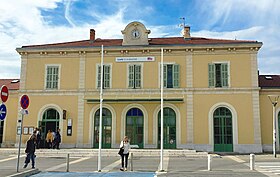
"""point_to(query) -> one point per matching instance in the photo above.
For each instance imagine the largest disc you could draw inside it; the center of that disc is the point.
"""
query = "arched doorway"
(169, 128)
(106, 130)
(135, 126)
(223, 136)
(50, 121)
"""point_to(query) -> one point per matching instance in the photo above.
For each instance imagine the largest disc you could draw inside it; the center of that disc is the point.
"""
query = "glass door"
(135, 126)
(106, 128)
(223, 130)
(169, 128)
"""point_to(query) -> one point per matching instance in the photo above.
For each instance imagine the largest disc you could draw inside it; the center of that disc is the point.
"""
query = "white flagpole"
(100, 113)
(161, 113)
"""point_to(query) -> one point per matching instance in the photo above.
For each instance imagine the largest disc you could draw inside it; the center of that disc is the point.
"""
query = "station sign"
(135, 59)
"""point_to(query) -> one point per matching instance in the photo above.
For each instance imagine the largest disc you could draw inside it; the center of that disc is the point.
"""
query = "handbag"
(121, 151)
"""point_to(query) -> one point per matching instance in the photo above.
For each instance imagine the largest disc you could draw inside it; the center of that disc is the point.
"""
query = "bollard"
(209, 162)
(252, 161)
(131, 162)
(67, 163)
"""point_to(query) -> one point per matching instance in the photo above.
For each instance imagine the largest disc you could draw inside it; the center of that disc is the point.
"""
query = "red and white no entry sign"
(24, 101)
(4, 93)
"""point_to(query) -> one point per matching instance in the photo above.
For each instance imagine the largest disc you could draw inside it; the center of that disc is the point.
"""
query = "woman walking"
(126, 148)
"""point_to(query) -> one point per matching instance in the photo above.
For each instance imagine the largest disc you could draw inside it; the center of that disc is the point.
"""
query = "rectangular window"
(134, 76)
(171, 75)
(52, 74)
(106, 76)
(218, 75)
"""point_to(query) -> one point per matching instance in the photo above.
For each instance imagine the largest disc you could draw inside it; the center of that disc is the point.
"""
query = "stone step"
(105, 152)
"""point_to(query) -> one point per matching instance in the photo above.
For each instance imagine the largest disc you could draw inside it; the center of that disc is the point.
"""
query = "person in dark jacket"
(30, 151)
(57, 139)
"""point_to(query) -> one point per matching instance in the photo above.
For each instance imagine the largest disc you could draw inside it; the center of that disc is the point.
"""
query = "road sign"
(4, 93)
(24, 101)
(3, 111)
(24, 111)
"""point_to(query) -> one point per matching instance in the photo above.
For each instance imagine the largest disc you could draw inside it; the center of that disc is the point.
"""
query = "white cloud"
(25, 25)
(262, 24)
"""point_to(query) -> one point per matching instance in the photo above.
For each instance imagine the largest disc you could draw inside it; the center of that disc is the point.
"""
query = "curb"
(26, 173)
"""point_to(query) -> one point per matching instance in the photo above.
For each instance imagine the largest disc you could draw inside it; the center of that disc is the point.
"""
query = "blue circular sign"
(3, 111)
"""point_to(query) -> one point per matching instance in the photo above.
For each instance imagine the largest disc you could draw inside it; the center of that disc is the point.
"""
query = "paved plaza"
(52, 163)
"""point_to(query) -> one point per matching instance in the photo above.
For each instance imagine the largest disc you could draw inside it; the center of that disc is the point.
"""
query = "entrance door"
(134, 126)
(106, 128)
(169, 128)
(50, 121)
(223, 130)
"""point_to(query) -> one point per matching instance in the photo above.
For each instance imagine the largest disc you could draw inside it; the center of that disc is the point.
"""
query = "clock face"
(135, 34)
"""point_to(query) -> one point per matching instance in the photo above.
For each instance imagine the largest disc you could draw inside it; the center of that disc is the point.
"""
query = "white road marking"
(11, 158)
(64, 164)
(111, 166)
(236, 159)
(165, 163)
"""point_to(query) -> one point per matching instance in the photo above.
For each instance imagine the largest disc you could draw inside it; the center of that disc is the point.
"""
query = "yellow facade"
(190, 107)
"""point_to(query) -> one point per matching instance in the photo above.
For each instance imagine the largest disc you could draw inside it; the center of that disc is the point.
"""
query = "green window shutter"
(137, 76)
(98, 76)
(52, 77)
(164, 76)
(131, 76)
(48, 79)
(55, 77)
(224, 74)
(176, 75)
(107, 76)
(211, 75)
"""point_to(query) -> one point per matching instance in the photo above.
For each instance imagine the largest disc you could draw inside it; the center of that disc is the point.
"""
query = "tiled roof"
(12, 84)
(152, 41)
(269, 81)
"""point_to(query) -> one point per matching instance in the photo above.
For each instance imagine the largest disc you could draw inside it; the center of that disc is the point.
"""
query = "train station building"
(214, 99)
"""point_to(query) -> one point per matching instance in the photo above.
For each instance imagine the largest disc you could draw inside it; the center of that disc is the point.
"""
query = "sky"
(30, 22)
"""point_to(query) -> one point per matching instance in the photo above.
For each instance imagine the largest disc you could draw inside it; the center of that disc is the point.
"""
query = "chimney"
(186, 32)
(92, 35)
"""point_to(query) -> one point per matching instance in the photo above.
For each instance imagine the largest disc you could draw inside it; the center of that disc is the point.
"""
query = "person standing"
(57, 139)
(126, 146)
(49, 139)
(30, 151)
(38, 138)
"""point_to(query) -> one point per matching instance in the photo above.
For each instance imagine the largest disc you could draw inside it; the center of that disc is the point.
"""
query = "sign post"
(24, 103)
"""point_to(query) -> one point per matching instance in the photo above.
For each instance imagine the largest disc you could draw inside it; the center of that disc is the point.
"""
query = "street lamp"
(274, 100)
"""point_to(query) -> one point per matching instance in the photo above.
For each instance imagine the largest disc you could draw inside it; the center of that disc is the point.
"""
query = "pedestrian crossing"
(268, 168)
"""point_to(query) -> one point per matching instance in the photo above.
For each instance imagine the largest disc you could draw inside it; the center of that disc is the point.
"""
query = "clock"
(135, 34)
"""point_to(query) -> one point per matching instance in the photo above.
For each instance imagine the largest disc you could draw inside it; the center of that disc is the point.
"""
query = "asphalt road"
(51, 166)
